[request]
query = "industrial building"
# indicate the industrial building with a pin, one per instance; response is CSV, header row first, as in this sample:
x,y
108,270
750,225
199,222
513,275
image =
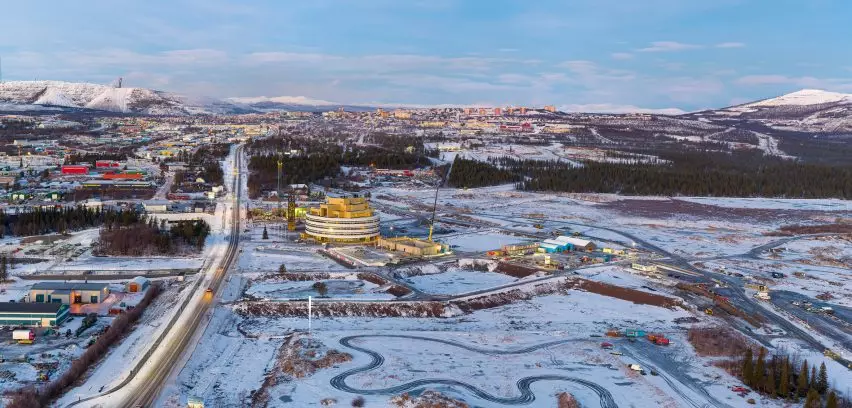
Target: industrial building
x,y
412,246
342,219
577,243
68,293
138,284
33,314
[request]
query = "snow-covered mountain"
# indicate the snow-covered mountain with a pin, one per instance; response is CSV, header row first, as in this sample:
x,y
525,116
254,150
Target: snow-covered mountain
x,y
804,97
808,110
39,94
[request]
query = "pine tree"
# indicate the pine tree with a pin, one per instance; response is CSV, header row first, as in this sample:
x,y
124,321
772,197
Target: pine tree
x,y
813,400
813,378
784,385
802,380
769,385
831,402
759,370
265,233
822,380
4,268
748,368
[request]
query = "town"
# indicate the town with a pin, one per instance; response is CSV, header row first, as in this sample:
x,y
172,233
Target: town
x,y
339,255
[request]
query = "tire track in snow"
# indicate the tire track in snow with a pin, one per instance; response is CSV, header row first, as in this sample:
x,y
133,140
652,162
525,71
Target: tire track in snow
x,y
526,397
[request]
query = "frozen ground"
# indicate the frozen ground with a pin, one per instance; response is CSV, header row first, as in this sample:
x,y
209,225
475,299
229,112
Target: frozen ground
x,y
456,281
337,289
481,241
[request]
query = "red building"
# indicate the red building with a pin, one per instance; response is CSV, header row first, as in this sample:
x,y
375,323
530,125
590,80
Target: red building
x,y
75,169
105,164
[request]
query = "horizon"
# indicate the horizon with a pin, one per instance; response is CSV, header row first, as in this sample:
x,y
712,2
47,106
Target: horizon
x,y
446,53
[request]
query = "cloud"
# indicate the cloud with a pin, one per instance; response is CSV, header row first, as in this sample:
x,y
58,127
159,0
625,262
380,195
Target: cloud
x,y
730,45
834,84
668,46
621,55
615,108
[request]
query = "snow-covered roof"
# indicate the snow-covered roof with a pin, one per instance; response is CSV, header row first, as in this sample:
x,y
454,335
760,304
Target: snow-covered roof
x,y
577,242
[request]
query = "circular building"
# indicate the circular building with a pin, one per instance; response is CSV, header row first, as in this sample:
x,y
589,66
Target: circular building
x,y
346,219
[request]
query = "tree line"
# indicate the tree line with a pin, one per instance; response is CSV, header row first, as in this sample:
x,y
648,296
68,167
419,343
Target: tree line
x,y
693,173
38,221
150,237
310,160
91,158
781,377
467,173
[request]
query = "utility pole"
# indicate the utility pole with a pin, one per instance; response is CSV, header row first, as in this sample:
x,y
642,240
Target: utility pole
x,y
310,300
278,190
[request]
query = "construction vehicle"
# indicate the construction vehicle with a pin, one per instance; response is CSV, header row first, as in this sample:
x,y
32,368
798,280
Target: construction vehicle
x,y
538,226
613,333
708,311
26,336
762,295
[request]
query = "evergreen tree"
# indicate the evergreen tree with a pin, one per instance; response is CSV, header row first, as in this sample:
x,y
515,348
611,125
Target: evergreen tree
x,y
802,380
282,269
4,269
265,233
822,381
831,402
784,384
813,378
748,368
813,400
759,370
769,384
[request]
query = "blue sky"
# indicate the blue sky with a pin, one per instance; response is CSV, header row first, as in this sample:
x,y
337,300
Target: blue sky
x,y
578,54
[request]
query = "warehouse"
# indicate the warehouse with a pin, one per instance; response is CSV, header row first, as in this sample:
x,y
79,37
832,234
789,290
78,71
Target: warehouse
x,y
68,293
577,243
33,314
554,245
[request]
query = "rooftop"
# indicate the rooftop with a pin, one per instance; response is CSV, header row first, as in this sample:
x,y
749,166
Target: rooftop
x,y
69,286
6,307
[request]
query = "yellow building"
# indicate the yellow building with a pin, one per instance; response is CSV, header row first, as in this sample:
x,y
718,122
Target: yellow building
x,y
346,219
412,246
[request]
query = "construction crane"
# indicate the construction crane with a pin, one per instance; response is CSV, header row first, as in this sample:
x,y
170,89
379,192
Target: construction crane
x,y
434,210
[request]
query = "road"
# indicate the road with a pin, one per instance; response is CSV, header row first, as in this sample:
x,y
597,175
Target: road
x,y
142,387
526,397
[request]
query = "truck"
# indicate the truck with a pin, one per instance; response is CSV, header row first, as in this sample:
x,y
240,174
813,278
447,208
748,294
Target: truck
x,y
762,295
24,336
634,367
634,333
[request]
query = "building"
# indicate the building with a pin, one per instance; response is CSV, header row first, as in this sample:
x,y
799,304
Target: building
x,y
550,108
138,284
75,169
68,293
553,245
412,246
107,164
33,314
155,206
579,244
123,176
343,219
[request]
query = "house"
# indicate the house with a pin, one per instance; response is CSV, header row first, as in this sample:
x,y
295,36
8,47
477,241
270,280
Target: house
x,y
33,314
138,284
68,293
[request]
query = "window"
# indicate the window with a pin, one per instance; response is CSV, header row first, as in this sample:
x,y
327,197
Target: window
x,y
40,298
93,299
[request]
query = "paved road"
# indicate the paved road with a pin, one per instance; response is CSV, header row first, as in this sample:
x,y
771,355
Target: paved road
x,y
836,327
526,397
147,392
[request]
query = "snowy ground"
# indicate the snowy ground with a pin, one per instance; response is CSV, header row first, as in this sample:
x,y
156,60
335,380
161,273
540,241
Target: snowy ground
x,y
457,281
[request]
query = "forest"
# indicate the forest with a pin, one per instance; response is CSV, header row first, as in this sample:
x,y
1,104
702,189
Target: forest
x,y
91,158
62,220
311,160
691,173
150,237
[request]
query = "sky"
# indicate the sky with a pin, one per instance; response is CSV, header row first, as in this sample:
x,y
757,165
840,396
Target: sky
x,y
580,55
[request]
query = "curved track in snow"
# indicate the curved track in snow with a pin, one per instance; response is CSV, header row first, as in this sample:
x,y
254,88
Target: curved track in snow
x,y
526,397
